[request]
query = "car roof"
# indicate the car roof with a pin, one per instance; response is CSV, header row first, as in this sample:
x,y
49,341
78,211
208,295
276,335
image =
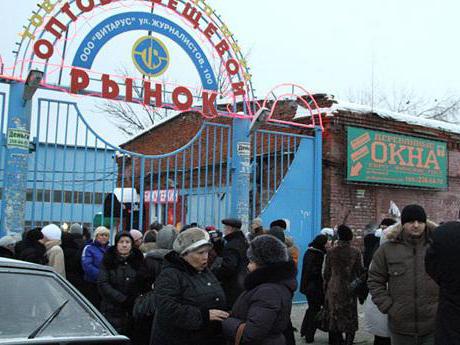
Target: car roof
x,y
11,263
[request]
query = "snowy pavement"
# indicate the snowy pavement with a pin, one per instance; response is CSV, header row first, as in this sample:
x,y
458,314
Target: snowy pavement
x,y
298,311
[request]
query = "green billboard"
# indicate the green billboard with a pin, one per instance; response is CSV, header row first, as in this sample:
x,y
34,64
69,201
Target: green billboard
x,y
383,157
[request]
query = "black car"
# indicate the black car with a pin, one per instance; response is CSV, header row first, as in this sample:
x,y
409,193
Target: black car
x,y
38,306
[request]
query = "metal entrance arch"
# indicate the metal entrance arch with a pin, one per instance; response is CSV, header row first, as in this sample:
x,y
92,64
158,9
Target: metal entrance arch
x,y
74,175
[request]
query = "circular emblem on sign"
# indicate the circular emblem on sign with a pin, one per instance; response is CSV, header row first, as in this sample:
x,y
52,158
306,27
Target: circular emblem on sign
x,y
150,56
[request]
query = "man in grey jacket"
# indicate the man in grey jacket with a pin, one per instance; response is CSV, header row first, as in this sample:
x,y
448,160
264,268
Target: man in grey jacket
x,y
398,283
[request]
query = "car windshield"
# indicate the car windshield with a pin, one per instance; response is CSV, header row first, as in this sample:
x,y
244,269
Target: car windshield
x,y
29,299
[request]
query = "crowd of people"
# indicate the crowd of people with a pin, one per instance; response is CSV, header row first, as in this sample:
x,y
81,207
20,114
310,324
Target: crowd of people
x,y
204,286
407,278
164,286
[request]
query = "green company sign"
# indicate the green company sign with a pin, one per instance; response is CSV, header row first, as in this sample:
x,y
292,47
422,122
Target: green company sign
x,y
383,157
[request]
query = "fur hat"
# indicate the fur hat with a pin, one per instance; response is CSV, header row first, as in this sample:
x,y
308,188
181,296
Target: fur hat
x,y
101,230
123,234
278,232
76,228
344,233
190,240
267,249
412,213
52,232
279,222
233,222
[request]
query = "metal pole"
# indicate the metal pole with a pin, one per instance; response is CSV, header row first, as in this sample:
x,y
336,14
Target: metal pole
x,y
241,171
16,162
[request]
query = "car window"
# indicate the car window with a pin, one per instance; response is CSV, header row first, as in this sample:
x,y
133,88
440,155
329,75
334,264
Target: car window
x,y
29,299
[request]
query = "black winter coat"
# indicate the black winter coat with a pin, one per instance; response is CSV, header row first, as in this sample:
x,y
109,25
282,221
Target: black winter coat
x,y
6,253
151,268
117,287
442,264
32,251
71,245
183,297
311,284
233,268
265,306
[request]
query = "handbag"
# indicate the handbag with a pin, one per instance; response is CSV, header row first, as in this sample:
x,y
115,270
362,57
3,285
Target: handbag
x,y
239,333
359,288
144,306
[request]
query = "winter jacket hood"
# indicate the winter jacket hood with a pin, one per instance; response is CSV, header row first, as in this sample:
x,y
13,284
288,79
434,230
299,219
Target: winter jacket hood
x,y
111,258
55,256
158,254
283,273
394,233
147,247
166,237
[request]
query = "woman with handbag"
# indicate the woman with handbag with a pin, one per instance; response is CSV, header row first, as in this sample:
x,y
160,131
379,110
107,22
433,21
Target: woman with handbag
x,y
262,312
117,282
343,266
311,285
189,300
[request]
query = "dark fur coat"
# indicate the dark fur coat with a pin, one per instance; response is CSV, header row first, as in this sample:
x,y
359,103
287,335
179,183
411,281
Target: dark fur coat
x,y
343,265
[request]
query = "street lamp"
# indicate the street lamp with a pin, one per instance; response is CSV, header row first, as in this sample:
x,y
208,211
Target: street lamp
x,y
260,117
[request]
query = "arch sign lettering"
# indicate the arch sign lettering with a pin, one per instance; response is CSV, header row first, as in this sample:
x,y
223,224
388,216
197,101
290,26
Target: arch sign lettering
x,y
71,41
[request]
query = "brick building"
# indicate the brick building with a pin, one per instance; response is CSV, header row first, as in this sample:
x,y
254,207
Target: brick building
x,y
357,202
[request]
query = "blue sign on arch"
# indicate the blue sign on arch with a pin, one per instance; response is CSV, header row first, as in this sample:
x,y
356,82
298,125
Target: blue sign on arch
x,y
130,21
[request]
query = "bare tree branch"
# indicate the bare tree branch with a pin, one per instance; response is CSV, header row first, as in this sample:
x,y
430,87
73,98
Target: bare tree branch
x,y
406,101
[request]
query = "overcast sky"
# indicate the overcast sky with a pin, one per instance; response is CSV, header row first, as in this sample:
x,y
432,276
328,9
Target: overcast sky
x,y
331,46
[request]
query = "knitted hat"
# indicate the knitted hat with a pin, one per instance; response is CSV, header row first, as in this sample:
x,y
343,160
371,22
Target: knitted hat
x,y
76,228
123,234
412,213
344,233
278,232
101,230
136,234
267,249
190,240
387,222
52,232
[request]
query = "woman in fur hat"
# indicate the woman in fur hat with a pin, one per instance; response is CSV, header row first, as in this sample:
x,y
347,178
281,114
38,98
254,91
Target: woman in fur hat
x,y
189,299
117,282
262,312
343,265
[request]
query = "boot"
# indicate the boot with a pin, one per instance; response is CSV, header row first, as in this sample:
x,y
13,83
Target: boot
x,y
349,337
335,338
